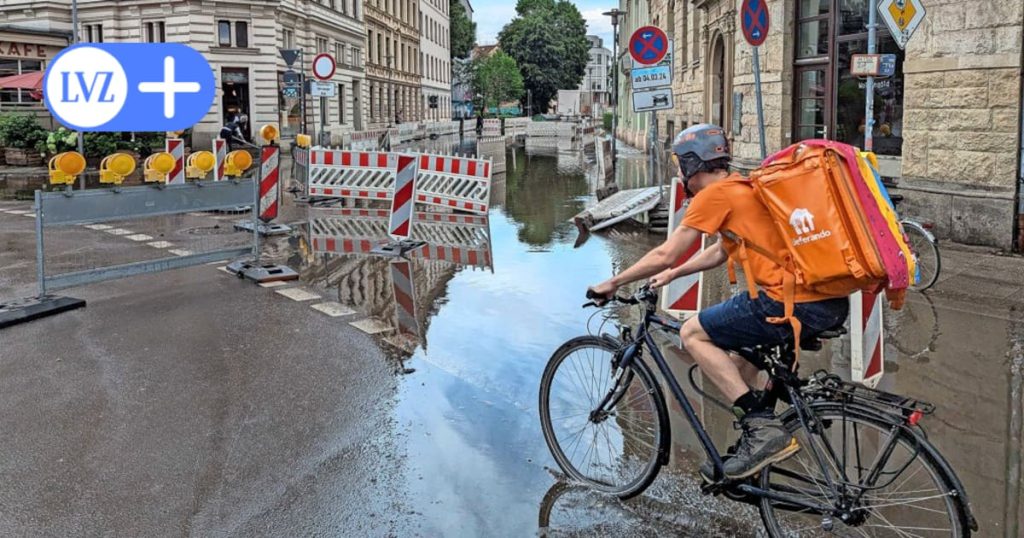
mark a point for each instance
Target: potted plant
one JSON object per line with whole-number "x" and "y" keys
{"x": 23, "y": 140}
{"x": 61, "y": 140}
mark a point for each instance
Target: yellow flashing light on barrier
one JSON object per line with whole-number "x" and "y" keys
{"x": 157, "y": 166}
{"x": 114, "y": 168}
{"x": 199, "y": 164}
{"x": 65, "y": 167}
{"x": 303, "y": 140}
{"x": 269, "y": 133}
{"x": 237, "y": 163}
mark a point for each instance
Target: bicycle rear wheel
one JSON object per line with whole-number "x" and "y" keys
{"x": 926, "y": 252}
{"x": 910, "y": 493}
{"x": 617, "y": 449}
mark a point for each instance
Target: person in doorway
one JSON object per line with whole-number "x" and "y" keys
{"x": 234, "y": 132}
{"x": 724, "y": 201}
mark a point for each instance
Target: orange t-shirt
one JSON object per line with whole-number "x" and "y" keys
{"x": 731, "y": 204}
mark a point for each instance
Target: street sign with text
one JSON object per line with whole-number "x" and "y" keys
{"x": 651, "y": 77}
{"x": 322, "y": 89}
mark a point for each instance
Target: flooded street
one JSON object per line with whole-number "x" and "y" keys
{"x": 190, "y": 403}
{"x": 473, "y": 457}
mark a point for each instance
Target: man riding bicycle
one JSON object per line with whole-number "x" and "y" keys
{"x": 726, "y": 201}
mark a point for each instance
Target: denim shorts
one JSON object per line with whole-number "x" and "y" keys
{"x": 742, "y": 322}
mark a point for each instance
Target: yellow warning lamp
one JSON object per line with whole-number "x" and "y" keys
{"x": 303, "y": 140}
{"x": 175, "y": 134}
{"x": 65, "y": 167}
{"x": 237, "y": 162}
{"x": 199, "y": 164}
{"x": 157, "y": 166}
{"x": 114, "y": 168}
{"x": 269, "y": 133}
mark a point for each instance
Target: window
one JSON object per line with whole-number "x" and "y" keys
{"x": 155, "y": 32}
{"x": 321, "y": 44}
{"x": 224, "y": 33}
{"x": 13, "y": 66}
{"x": 339, "y": 54}
{"x": 341, "y": 104}
{"x": 288, "y": 38}
{"x": 829, "y": 102}
{"x": 242, "y": 34}
{"x": 93, "y": 33}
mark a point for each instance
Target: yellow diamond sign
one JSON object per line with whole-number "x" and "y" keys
{"x": 902, "y": 17}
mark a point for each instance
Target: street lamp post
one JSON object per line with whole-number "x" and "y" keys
{"x": 391, "y": 91}
{"x": 615, "y": 14}
{"x": 74, "y": 41}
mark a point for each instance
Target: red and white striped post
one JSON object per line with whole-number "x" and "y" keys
{"x": 400, "y": 223}
{"x": 220, "y": 154}
{"x": 405, "y": 298}
{"x": 176, "y": 147}
{"x": 681, "y": 297}
{"x": 270, "y": 160}
{"x": 867, "y": 346}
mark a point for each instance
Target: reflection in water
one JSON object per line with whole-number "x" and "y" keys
{"x": 542, "y": 197}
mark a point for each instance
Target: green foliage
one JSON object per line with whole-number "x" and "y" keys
{"x": 461, "y": 30}
{"x": 607, "y": 121}
{"x": 103, "y": 144}
{"x": 548, "y": 41}
{"x": 21, "y": 131}
{"x": 496, "y": 78}
{"x": 61, "y": 140}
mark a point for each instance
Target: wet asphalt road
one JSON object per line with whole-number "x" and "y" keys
{"x": 190, "y": 403}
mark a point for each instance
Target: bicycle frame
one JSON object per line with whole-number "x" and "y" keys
{"x": 643, "y": 336}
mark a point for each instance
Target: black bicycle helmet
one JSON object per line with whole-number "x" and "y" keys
{"x": 701, "y": 148}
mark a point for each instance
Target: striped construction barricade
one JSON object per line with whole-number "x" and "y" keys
{"x": 220, "y": 153}
{"x": 401, "y": 218}
{"x": 176, "y": 147}
{"x": 270, "y": 191}
{"x": 867, "y": 348}
{"x": 453, "y": 182}
{"x": 682, "y": 297}
{"x": 492, "y": 128}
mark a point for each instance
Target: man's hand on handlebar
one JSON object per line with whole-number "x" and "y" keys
{"x": 602, "y": 293}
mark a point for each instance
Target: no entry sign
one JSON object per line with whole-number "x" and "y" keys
{"x": 648, "y": 45}
{"x": 324, "y": 66}
{"x": 754, "y": 20}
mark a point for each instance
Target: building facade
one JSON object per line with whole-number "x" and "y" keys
{"x": 597, "y": 77}
{"x": 947, "y": 126}
{"x": 435, "y": 60}
{"x": 393, "y": 71}
{"x": 241, "y": 42}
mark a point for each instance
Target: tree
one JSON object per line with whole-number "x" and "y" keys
{"x": 462, "y": 31}
{"x": 548, "y": 39}
{"x": 496, "y": 79}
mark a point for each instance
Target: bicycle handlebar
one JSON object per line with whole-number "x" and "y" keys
{"x": 644, "y": 294}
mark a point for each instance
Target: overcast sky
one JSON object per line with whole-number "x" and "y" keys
{"x": 492, "y": 15}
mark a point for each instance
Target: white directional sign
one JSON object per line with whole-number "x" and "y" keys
{"x": 651, "y": 100}
{"x": 322, "y": 89}
{"x": 651, "y": 77}
{"x": 902, "y": 17}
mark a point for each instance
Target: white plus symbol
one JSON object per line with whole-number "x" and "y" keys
{"x": 169, "y": 87}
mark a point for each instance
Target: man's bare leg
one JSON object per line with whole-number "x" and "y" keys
{"x": 715, "y": 363}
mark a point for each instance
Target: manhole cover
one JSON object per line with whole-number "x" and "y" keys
{"x": 216, "y": 229}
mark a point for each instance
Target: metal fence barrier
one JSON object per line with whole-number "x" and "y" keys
{"x": 64, "y": 208}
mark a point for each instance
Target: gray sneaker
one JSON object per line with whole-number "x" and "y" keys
{"x": 764, "y": 441}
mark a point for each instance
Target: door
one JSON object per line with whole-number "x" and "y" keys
{"x": 235, "y": 97}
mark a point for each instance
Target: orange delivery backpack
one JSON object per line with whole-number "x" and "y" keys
{"x": 834, "y": 215}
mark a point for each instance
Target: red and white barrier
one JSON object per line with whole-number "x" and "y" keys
{"x": 176, "y": 147}
{"x": 867, "y": 347}
{"x": 453, "y": 182}
{"x": 220, "y": 154}
{"x": 405, "y": 298}
{"x": 270, "y": 192}
{"x": 400, "y": 223}
{"x": 492, "y": 128}
{"x": 681, "y": 298}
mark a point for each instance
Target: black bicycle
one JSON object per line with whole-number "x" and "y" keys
{"x": 865, "y": 467}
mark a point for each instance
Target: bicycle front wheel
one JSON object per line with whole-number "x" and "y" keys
{"x": 926, "y": 253}
{"x": 880, "y": 480}
{"x": 616, "y": 448}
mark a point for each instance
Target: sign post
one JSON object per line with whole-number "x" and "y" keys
{"x": 902, "y": 17}
{"x": 652, "y": 82}
{"x": 755, "y": 23}
{"x": 324, "y": 67}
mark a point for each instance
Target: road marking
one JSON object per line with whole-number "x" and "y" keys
{"x": 298, "y": 294}
{"x": 335, "y": 310}
{"x": 181, "y": 252}
{"x": 18, "y": 211}
{"x": 29, "y": 215}
{"x": 371, "y": 326}
{"x": 98, "y": 226}
{"x": 164, "y": 244}
{"x": 274, "y": 284}
{"x": 140, "y": 237}
{"x": 120, "y": 231}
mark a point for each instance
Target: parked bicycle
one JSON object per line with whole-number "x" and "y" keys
{"x": 865, "y": 466}
{"x": 925, "y": 247}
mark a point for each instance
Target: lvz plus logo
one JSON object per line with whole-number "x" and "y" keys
{"x": 802, "y": 222}
{"x": 129, "y": 87}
